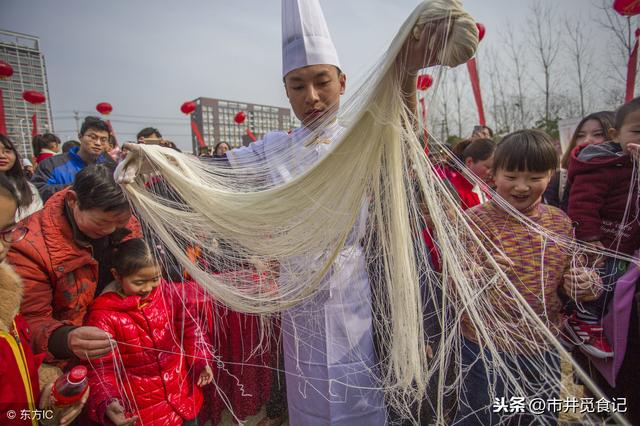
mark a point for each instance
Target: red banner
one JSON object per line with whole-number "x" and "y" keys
{"x": 632, "y": 67}
{"x": 251, "y": 135}
{"x": 196, "y": 131}
{"x": 475, "y": 85}
{"x": 3, "y": 121}
{"x": 34, "y": 125}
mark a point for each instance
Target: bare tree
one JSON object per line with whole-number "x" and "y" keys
{"x": 515, "y": 51}
{"x": 444, "y": 130}
{"x": 457, "y": 91}
{"x": 438, "y": 109}
{"x": 581, "y": 56}
{"x": 621, "y": 29}
{"x": 546, "y": 37}
{"x": 502, "y": 103}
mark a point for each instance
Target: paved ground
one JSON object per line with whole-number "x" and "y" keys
{"x": 227, "y": 420}
{"x": 565, "y": 419}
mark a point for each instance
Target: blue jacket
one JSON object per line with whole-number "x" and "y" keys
{"x": 57, "y": 172}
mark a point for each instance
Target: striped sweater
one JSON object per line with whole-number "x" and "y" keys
{"x": 537, "y": 273}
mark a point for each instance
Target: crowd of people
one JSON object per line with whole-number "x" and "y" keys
{"x": 81, "y": 284}
{"x": 87, "y": 272}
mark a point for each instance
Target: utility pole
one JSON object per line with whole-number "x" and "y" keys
{"x": 76, "y": 116}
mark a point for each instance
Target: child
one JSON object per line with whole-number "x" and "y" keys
{"x": 477, "y": 156}
{"x": 45, "y": 146}
{"x": 523, "y": 164}
{"x": 601, "y": 184}
{"x": 147, "y": 375}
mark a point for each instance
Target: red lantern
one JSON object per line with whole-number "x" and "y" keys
{"x": 424, "y": 81}
{"x": 627, "y": 7}
{"x": 188, "y": 107}
{"x": 240, "y": 117}
{"x": 33, "y": 97}
{"x": 104, "y": 108}
{"x": 6, "y": 70}
{"x": 481, "y": 30}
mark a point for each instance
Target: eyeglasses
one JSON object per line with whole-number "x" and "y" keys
{"x": 94, "y": 137}
{"x": 14, "y": 234}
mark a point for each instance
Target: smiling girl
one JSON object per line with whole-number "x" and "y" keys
{"x": 160, "y": 348}
{"x": 537, "y": 267}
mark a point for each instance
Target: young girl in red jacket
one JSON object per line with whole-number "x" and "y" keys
{"x": 159, "y": 356}
{"x": 602, "y": 180}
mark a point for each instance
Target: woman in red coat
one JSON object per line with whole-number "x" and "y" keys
{"x": 160, "y": 352}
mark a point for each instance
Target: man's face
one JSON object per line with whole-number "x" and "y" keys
{"x": 314, "y": 91}
{"x": 481, "y": 133}
{"x": 92, "y": 142}
{"x": 152, "y": 139}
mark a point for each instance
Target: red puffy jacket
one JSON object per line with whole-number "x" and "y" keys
{"x": 599, "y": 181}
{"x": 156, "y": 377}
{"x": 468, "y": 197}
{"x": 19, "y": 388}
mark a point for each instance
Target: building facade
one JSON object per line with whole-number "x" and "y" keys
{"x": 22, "y": 52}
{"x": 214, "y": 120}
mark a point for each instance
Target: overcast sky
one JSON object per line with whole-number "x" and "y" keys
{"x": 146, "y": 58}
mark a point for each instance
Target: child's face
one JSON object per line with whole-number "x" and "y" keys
{"x": 521, "y": 189}
{"x": 141, "y": 282}
{"x": 629, "y": 132}
{"x": 54, "y": 146}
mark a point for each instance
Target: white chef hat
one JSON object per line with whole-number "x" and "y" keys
{"x": 305, "y": 36}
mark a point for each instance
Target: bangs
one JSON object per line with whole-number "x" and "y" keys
{"x": 526, "y": 150}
